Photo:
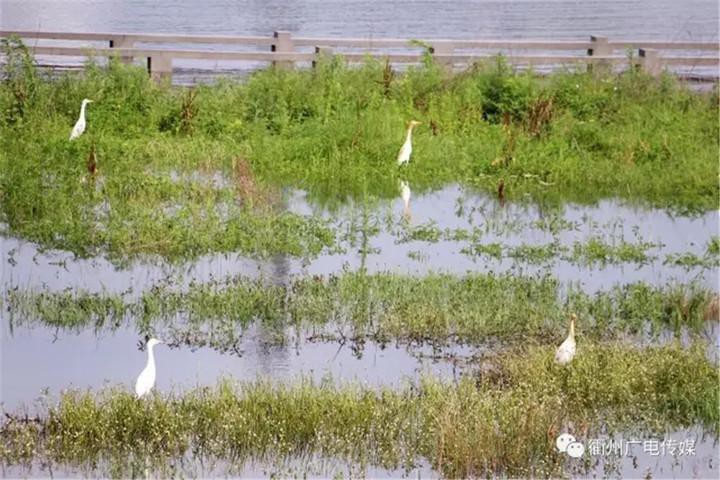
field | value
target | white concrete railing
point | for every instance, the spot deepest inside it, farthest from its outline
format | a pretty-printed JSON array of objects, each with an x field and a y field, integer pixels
[{"x": 284, "y": 50}]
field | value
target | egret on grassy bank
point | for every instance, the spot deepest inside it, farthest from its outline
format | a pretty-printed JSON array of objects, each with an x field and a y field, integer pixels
[
  {"x": 146, "y": 380},
  {"x": 79, "y": 127},
  {"x": 566, "y": 350},
  {"x": 406, "y": 149}
]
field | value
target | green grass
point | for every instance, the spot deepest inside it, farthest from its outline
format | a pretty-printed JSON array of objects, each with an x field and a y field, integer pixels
[
  {"x": 500, "y": 423},
  {"x": 438, "y": 308},
  {"x": 333, "y": 131}
]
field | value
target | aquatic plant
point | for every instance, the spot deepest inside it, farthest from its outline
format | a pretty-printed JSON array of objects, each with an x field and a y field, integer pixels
[
  {"x": 502, "y": 422},
  {"x": 689, "y": 260},
  {"x": 436, "y": 308},
  {"x": 596, "y": 250}
]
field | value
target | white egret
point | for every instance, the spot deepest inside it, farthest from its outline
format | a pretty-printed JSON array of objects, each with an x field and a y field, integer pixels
[
  {"x": 146, "y": 380},
  {"x": 405, "y": 195},
  {"x": 79, "y": 127},
  {"x": 406, "y": 149},
  {"x": 566, "y": 350}
]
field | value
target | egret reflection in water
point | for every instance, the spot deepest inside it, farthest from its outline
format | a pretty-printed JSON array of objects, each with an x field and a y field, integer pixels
[{"x": 405, "y": 195}]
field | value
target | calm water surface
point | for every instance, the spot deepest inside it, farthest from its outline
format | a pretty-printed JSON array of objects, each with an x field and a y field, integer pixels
[
  {"x": 497, "y": 19},
  {"x": 88, "y": 359},
  {"x": 451, "y": 208},
  {"x": 643, "y": 19}
]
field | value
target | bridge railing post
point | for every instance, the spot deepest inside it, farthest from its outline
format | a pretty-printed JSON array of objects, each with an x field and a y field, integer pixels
[
  {"x": 650, "y": 61},
  {"x": 122, "y": 42},
  {"x": 443, "y": 49},
  {"x": 600, "y": 48},
  {"x": 322, "y": 53},
  {"x": 160, "y": 67},
  {"x": 283, "y": 43}
]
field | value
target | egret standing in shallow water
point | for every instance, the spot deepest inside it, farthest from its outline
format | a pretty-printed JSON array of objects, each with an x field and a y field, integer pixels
[
  {"x": 146, "y": 380},
  {"x": 406, "y": 149},
  {"x": 566, "y": 351},
  {"x": 79, "y": 127}
]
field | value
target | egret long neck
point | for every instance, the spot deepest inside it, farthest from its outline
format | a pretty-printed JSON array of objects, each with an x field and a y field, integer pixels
[
  {"x": 572, "y": 328},
  {"x": 408, "y": 138},
  {"x": 151, "y": 358},
  {"x": 82, "y": 113}
]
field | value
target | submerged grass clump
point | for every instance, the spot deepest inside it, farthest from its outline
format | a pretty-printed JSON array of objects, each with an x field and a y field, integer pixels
[
  {"x": 710, "y": 259},
  {"x": 504, "y": 424},
  {"x": 436, "y": 309},
  {"x": 333, "y": 131},
  {"x": 595, "y": 250}
]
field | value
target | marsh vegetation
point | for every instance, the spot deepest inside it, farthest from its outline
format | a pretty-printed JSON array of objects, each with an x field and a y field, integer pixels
[
  {"x": 501, "y": 423},
  {"x": 332, "y": 131},
  {"x": 438, "y": 309},
  {"x": 296, "y": 171}
]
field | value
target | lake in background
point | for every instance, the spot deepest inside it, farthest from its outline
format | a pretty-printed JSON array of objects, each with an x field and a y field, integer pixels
[
  {"x": 563, "y": 19},
  {"x": 667, "y": 20}
]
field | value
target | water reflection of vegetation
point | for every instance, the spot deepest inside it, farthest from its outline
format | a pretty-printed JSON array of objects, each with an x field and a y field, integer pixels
[
  {"x": 437, "y": 309},
  {"x": 502, "y": 422},
  {"x": 333, "y": 132}
]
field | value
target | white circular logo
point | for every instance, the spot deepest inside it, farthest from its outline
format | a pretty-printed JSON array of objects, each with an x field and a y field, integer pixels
[
  {"x": 576, "y": 449},
  {"x": 563, "y": 441}
]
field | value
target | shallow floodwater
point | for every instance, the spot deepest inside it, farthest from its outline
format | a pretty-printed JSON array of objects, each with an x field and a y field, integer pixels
[
  {"x": 639, "y": 459},
  {"x": 37, "y": 359},
  {"x": 450, "y": 209},
  {"x": 57, "y": 360},
  {"x": 88, "y": 359}
]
